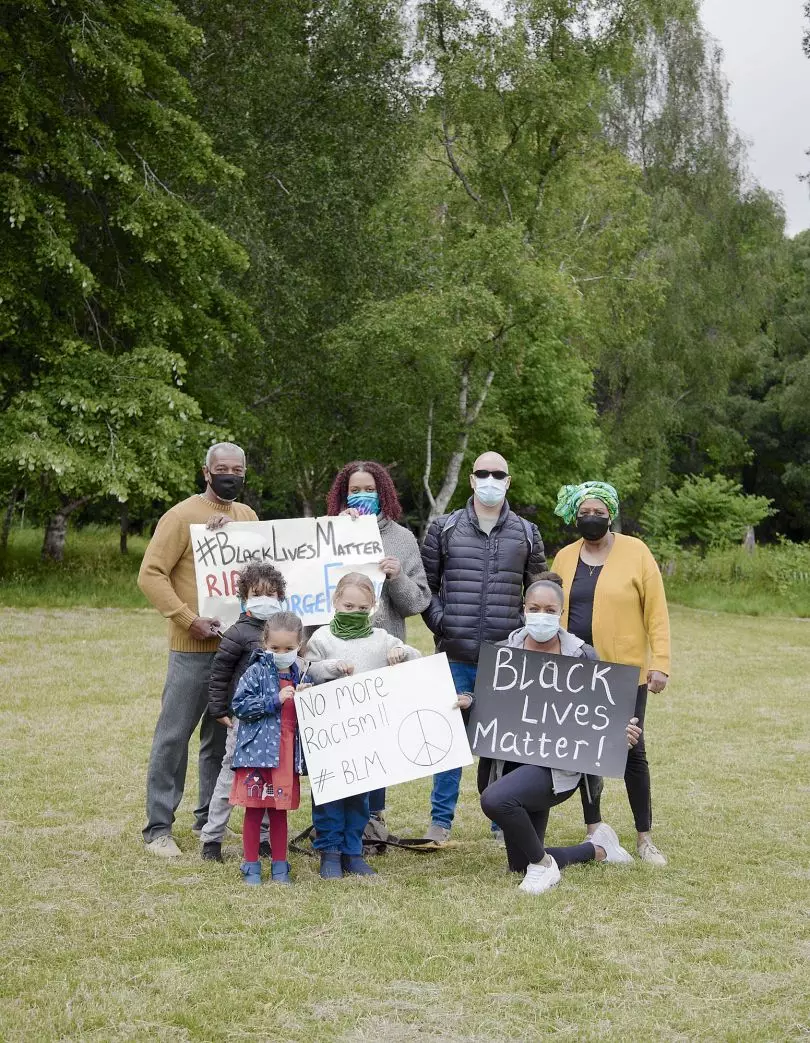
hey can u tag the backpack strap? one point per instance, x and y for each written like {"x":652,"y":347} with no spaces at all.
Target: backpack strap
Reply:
{"x":449,"y":523}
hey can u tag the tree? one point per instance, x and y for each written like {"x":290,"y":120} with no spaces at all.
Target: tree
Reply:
{"x":110,"y":278}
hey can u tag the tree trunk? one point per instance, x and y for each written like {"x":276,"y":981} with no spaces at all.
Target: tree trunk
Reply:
{"x":124,"y":519}
{"x":53,"y":545}
{"x":8,"y":518}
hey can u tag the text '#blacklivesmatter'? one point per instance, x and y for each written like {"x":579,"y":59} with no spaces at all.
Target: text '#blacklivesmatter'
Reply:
{"x":217,"y":549}
{"x":560,"y":711}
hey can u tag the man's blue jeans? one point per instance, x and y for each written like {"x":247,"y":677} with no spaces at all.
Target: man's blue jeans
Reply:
{"x":446,"y":784}
{"x":339,"y":824}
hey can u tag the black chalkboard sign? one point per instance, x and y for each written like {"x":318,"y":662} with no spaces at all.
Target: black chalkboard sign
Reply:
{"x":559,"y":711}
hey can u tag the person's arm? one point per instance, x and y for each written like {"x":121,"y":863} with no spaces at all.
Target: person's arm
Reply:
{"x":165,"y":549}
{"x":398,"y":652}
{"x":536,"y":562}
{"x":323,"y":667}
{"x":409,"y":591}
{"x":432,"y":562}
{"x":257,"y":695}
{"x":656,"y":621}
{"x":222,"y":670}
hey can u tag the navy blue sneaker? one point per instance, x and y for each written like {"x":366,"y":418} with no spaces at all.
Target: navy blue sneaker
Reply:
{"x":356,"y":865}
{"x":331,"y":868}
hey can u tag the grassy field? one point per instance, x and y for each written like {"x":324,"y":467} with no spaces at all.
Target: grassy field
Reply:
{"x":102,"y":942}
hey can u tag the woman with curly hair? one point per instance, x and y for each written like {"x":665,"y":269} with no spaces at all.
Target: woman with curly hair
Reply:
{"x":366,"y":487}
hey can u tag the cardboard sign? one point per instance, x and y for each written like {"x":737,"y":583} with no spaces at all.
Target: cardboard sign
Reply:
{"x":558,"y":711}
{"x":311,"y":553}
{"x":380,"y":728}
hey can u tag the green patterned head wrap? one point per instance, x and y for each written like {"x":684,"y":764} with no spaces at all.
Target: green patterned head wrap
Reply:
{"x":570,"y":497}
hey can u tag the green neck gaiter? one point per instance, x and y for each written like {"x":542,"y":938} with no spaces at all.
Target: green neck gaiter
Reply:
{"x":349,"y":625}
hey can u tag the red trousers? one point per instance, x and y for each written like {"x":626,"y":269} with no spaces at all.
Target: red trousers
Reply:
{"x":278,"y":833}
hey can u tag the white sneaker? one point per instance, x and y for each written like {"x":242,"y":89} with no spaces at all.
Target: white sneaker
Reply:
{"x":164,"y":846}
{"x":649,"y":853}
{"x":606,"y":838}
{"x":540,"y":878}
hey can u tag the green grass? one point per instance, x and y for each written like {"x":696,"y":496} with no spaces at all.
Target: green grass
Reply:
{"x":102,"y":942}
{"x":94,"y":572}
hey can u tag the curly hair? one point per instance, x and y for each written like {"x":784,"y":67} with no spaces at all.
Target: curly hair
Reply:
{"x":338,"y":494}
{"x":256,"y":574}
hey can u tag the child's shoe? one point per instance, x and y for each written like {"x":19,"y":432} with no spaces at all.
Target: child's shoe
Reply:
{"x":212,"y":851}
{"x":252,"y":872}
{"x":356,"y":865}
{"x":280,"y":873}
{"x":265,"y":851}
{"x":331,"y":868}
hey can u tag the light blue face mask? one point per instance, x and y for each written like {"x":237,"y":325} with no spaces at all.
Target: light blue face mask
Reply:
{"x":543,"y":626}
{"x":364,"y":503}
{"x":284,"y":660}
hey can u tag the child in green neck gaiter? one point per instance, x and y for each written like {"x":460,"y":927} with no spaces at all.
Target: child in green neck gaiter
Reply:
{"x":350,"y":644}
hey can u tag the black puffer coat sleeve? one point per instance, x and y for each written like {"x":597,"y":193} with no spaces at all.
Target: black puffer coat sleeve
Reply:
{"x":432,"y":560}
{"x":537,"y":558}
{"x":225,"y":663}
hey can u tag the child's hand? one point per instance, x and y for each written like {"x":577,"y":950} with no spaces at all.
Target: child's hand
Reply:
{"x":225,"y":720}
{"x":344,"y":668}
{"x":396,"y":655}
{"x":286,"y":693}
{"x":463,"y":702}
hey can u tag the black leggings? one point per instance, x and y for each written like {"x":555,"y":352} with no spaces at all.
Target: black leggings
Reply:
{"x":519,"y":802}
{"x":636,"y":779}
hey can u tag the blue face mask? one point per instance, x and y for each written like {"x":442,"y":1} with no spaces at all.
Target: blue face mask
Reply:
{"x":364,"y":503}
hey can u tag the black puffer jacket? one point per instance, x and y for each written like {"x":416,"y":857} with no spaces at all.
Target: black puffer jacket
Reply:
{"x":231,"y":661}
{"x":478,"y":586}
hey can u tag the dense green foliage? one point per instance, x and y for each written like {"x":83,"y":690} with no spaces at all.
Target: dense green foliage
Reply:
{"x":334,"y":229}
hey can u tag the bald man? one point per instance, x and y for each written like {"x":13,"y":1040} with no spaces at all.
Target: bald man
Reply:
{"x":478,"y":561}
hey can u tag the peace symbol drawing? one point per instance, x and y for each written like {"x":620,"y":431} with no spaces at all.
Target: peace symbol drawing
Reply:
{"x":425,"y":738}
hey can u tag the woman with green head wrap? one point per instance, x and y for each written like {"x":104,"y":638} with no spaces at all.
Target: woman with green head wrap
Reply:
{"x":615,"y":601}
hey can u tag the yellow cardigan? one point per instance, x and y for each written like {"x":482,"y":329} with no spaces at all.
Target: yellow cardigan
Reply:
{"x":630,"y":617}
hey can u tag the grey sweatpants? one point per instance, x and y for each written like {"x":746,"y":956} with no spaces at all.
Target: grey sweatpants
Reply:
{"x":220,"y":807}
{"x":184,"y":702}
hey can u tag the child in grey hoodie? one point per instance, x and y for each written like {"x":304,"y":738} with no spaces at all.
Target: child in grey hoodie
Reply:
{"x":349,"y":645}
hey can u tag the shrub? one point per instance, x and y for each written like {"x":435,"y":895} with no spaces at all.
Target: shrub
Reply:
{"x":704,"y":514}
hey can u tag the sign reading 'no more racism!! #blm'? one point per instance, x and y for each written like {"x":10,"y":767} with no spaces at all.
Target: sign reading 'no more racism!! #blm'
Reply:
{"x":558,"y":711}
{"x":311,"y":553}
{"x":381,"y":727}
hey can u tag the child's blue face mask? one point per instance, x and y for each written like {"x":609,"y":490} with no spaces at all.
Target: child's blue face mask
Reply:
{"x":364,"y":503}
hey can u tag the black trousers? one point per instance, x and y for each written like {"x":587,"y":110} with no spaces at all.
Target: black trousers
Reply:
{"x":519,"y":802}
{"x":636,"y":779}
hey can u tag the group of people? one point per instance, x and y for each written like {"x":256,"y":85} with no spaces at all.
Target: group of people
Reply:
{"x":480,"y":576}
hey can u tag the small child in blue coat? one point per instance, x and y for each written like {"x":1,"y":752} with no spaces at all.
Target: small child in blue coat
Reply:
{"x":267,"y":760}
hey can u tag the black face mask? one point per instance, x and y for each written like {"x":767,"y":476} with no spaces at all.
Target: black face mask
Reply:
{"x":226,"y":486}
{"x":592,"y":527}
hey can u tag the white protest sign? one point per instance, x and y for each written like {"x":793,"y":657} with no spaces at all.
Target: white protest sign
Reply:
{"x":381,"y":727}
{"x":311,"y":553}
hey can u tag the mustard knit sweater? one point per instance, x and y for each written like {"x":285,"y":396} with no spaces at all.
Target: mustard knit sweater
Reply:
{"x":630,"y":617}
{"x":167,"y":571}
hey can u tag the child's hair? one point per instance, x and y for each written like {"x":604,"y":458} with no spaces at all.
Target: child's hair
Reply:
{"x":547,"y":579}
{"x":354,"y":579}
{"x":283,"y":621}
{"x":256,"y":574}
{"x":386,"y":490}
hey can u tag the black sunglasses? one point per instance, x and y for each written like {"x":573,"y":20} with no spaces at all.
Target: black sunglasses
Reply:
{"x":482,"y":473}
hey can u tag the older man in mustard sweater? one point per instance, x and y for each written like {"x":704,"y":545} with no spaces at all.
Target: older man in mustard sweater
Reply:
{"x":168,"y":580}
{"x":615,"y":601}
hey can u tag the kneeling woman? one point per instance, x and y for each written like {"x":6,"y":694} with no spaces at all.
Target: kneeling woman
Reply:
{"x":518,"y":796}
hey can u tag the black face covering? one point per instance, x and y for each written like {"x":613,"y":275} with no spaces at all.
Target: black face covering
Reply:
{"x":592,"y":527}
{"x":227,"y":486}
